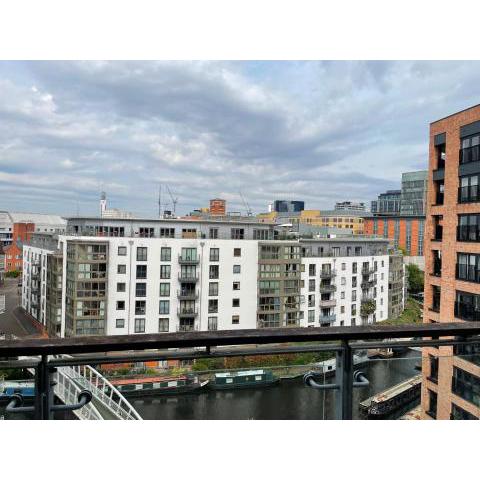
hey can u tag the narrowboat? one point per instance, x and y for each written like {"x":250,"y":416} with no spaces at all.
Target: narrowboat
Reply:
{"x":245,"y":379}
{"x":140,"y":386}
{"x":8,"y":388}
{"x":393,"y":398}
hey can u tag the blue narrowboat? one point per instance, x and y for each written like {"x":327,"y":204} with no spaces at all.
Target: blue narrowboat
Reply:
{"x":8,"y":388}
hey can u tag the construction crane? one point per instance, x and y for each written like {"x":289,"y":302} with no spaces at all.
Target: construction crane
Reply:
{"x":246,"y":205}
{"x":174,"y":200}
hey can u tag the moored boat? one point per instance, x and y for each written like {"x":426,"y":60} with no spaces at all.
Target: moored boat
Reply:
{"x":245,"y":379}
{"x":10,"y":387}
{"x":160,"y":385}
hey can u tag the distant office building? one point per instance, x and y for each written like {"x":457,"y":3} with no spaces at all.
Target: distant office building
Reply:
{"x":387,"y":203}
{"x":350,"y":206}
{"x":414,"y":193}
{"x":111,"y":212}
{"x":288,"y":206}
{"x":218,"y":206}
{"x":334,"y":218}
{"x":405,"y":232}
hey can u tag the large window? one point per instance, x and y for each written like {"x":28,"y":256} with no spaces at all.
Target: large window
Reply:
{"x":189,"y":254}
{"x":467,"y":306}
{"x":468,"y":229}
{"x":468,"y":189}
{"x":139,"y":325}
{"x":213,"y":289}
{"x":458,"y":413}
{"x":167,"y":232}
{"x":141,"y":254}
{"x":141,"y":271}
{"x":466,"y":386}
{"x":237,"y":234}
{"x":141,"y":290}
{"x":213,"y":271}
{"x":164,"y":289}
{"x":432,"y":404}
{"x":122,"y":251}
{"x":140,"y":307}
{"x":212,"y":323}
{"x":468,"y":267}
{"x":164,"y":271}
{"x":163,"y":325}
{"x":166,"y":254}
{"x":121,"y":269}
{"x":470,"y":149}
{"x":214,"y":254}
{"x":213,"y":305}
{"x":164,"y":307}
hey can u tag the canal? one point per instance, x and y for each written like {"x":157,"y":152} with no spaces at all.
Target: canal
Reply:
{"x":288,"y":400}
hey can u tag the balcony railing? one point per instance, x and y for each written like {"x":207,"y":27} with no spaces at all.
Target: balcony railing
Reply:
{"x":187,"y":294}
{"x":324,"y":319}
{"x":187,"y":328}
{"x":368,"y":284}
{"x":368,"y":270}
{"x":188,"y":277}
{"x":188,"y":260}
{"x":327,"y":273}
{"x":327,"y":288}
{"x":187,"y":312}
{"x":327,"y":303}
{"x":45,"y":355}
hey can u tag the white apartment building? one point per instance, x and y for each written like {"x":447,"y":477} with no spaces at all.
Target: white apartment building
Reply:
{"x":111,"y":285}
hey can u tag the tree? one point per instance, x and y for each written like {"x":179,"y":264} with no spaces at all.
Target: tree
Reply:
{"x":415,"y":278}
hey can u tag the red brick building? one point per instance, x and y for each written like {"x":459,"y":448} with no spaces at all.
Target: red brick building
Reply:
{"x":451,"y":376}
{"x":14,"y":252}
{"x":218,"y":206}
{"x":405,"y":232}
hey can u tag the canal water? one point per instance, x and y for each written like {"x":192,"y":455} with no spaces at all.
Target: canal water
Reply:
{"x":288,"y":400}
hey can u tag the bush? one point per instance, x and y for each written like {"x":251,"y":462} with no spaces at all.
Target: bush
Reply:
{"x":415,"y":279}
{"x":12,"y":274}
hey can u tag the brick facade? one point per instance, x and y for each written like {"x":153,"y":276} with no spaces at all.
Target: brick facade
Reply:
{"x":448,"y":248}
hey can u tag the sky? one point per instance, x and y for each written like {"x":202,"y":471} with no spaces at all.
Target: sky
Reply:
{"x":316,"y":131}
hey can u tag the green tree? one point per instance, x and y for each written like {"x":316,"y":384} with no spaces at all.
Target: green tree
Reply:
{"x":415,"y":279}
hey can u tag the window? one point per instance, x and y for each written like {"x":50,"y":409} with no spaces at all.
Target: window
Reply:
{"x":141,"y":254}
{"x":167,"y":233}
{"x":120,"y":304}
{"x":466,"y":386}
{"x":235,"y":319}
{"x":139,"y":325}
{"x":236,"y":285}
{"x":189,"y":254}
{"x":311,"y":270}
{"x":458,"y":413}
{"x":213,"y":289}
{"x":237,"y":252}
{"x":467,"y":306}
{"x":433,"y":368}
{"x":213,"y":305}
{"x":235,"y":302}
{"x":141,"y":271}
{"x":342,"y":295}
{"x":432,"y":404}
{"x":470,"y":149}
{"x":311,"y":300}
{"x":237,"y":233}
{"x":121,"y":269}
{"x":122,"y":251}
{"x":164,"y":289}
{"x":344,"y":266}
{"x":163,"y":325}
{"x":468,"y":267}
{"x":213,"y":271}
{"x":354,"y":267}
{"x":213,"y":233}
{"x":336,"y":251}
{"x":343,"y":281}
{"x":260,"y":234}
{"x":120,"y":323}
{"x":311,"y":316}
{"x":354,"y":295}
{"x":212,"y":323}
{"x":141,"y":290}
{"x":121,"y":287}
{"x":342,"y":309}
{"x":165,"y":271}
{"x":214,"y":254}
{"x":164,"y":307}
{"x":166,"y":254}
{"x":311,"y":285}
{"x":236,"y":269}
{"x":354,"y":282}
{"x":140,"y":307}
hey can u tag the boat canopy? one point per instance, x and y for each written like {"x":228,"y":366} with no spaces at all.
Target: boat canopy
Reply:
{"x":240,"y":374}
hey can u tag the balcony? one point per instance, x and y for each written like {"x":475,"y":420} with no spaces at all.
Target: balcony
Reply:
{"x":188,"y":277}
{"x":188,"y":260}
{"x":327,"y":288}
{"x":367,"y":298}
{"x":187,"y":312}
{"x":368,"y":284}
{"x":327,"y":273}
{"x":327,"y":303}
{"x":51,"y":357}
{"x":368,"y":270}
{"x":327,"y":319}
{"x":187,"y":294}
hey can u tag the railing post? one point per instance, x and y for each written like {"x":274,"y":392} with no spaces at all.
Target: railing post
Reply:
{"x":43,"y":390}
{"x":344,"y":379}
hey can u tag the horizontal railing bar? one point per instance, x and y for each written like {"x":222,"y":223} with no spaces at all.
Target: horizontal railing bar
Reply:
{"x":414,"y":343}
{"x":30,"y":363}
{"x":52,"y":346}
{"x":191,"y":355}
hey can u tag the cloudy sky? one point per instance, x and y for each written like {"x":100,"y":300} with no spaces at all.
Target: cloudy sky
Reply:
{"x":317,"y":131}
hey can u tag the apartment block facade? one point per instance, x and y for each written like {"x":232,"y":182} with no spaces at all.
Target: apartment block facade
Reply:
{"x":107,"y":285}
{"x":451,"y":376}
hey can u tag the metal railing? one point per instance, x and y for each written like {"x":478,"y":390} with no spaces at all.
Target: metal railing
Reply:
{"x":343,"y":341}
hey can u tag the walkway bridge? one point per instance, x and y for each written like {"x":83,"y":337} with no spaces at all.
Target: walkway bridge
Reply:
{"x":107,"y":402}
